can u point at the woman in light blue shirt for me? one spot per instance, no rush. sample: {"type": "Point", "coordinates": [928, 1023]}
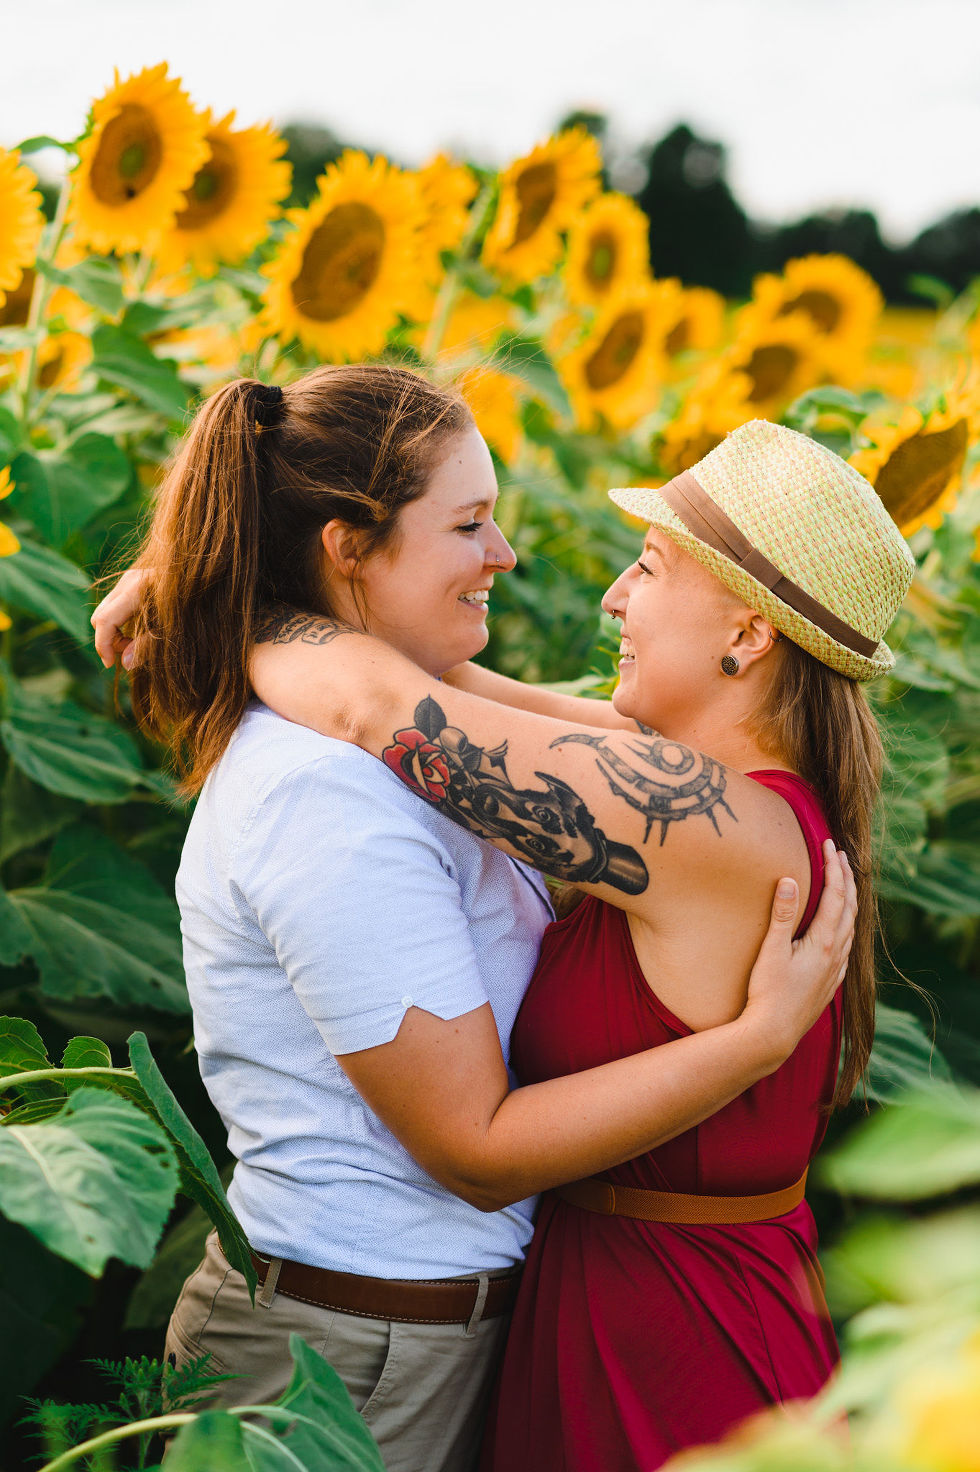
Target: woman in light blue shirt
{"type": "Point", "coordinates": [328, 913]}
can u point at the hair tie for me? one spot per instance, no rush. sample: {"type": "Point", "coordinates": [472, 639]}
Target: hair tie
{"type": "Point", "coordinates": [268, 405]}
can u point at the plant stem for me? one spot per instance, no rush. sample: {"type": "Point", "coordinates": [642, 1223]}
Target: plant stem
{"type": "Point", "coordinates": [38, 1075]}
{"type": "Point", "coordinates": [118, 1433]}
{"type": "Point", "coordinates": [39, 297]}
{"type": "Point", "coordinates": [450, 282]}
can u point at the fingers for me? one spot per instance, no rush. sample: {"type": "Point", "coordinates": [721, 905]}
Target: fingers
{"type": "Point", "coordinates": [785, 904]}
{"type": "Point", "coordinates": [115, 610]}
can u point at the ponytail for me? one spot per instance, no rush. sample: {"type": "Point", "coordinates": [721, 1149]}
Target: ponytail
{"type": "Point", "coordinates": [237, 527]}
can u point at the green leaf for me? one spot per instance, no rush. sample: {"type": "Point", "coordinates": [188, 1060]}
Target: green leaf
{"type": "Point", "coordinates": [95, 280]}
{"type": "Point", "coordinates": [43, 140]}
{"type": "Point", "coordinates": [40, 582]}
{"type": "Point", "coordinates": [29, 814]}
{"type": "Point", "coordinates": [16, 339]}
{"type": "Point", "coordinates": [40, 1303]}
{"type": "Point", "coordinates": [84, 948]}
{"type": "Point", "coordinates": [212, 1442]}
{"type": "Point", "coordinates": [526, 358]}
{"type": "Point", "coordinates": [925, 1146]}
{"type": "Point", "coordinates": [904, 1058]}
{"type": "Point", "coordinates": [69, 750]}
{"type": "Point", "coordinates": [16, 939]}
{"type": "Point", "coordinates": [95, 1181]}
{"type": "Point", "coordinates": [198, 1173]}
{"type": "Point", "coordinates": [22, 1051]}
{"type": "Point", "coordinates": [61, 494]}
{"type": "Point", "coordinates": [127, 362]}
{"type": "Point", "coordinates": [10, 436]}
{"type": "Point", "coordinates": [86, 1053]}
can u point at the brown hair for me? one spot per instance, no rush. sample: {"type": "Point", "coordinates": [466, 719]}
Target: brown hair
{"type": "Point", "coordinates": [821, 723]}
{"type": "Point", "coordinates": [237, 528]}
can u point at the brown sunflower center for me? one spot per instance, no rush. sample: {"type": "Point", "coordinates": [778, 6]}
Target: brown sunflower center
{"type": "Point", "coordinates": [679, 337]}
{"type": "Point", "coordinates": [340, 263]}
{"type": "Point", "coordinates": [689, 451]}
{"type": "Point", "coordinates": [16, 308]}
{"type": "Point", "coordinates": [128, 156]}
{"type": "Point", "coordinates": [918, 471]}
{"type": "Point", "coordinates": [615, 353]}
{"type": "Point", "coordinates": [601, 263]}
{"type": "Point", "coordinates": [770, 368]}
{"type": "Point", "coordinates": [536, 188]}
{"type": "Point", "coordinates": [214, 187]}
{"type": "Point", "coordinates": [824, 310]}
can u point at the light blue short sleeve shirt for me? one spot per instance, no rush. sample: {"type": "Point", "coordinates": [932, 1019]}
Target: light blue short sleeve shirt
{"type": "Point", "coordinates": [320, 899]}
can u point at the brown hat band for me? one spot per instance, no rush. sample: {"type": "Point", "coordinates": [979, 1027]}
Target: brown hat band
{"type": "Point", "coordinates": [705, 519]}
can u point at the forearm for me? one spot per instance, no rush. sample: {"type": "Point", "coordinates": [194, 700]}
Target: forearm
{"type": "Point", "coordinates": [549, 1133]}
{"type": "Point", "coordinates": [489, 685]}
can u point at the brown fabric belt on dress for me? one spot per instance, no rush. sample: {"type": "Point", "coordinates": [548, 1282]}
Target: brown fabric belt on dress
{"type": "Point", "coordinates": [595, 1194]}
{"type": "Point", "coordinates": [406, 1301]}
{"type": "Point", "coordinates": [702, 516]}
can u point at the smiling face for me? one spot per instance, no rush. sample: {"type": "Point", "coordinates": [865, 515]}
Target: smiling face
{"type": "Point", "coordinates": [677, 623]}
{"type": "Point", "coordinates": [428, 593]}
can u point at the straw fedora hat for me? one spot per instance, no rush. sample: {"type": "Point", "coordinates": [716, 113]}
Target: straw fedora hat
{"type": "Point", "coordinates": [798, 534]}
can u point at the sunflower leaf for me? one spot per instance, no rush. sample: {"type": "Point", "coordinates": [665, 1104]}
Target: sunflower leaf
{"type": "Point", "coordinates": [95, 281]}
{"type": "Point", "coordinates": [127, 362]}
{"type": "Point", "coordinates": [42, 140]}
{"type": "Point", "coordinates": [526, 359]}
{"type": "Point", "coordinates": [48, 585]}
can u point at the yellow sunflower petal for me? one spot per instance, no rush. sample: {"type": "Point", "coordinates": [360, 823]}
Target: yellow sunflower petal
{"type": "Point", "coordinates": [447, 190]}
{"type": "Point", "coordinates": [608, 249]}
{"type": "Point", "coordinates": [8, 542]}
{"type": "Point", "coordinates": [916, 465]}
{"type": "Point", "coordinates": [495, 401]}
{"type": "Point", "coordinates": [351, 265]}
{"type": "Point", "coordinates": [840, 301]}
{"type": "Point", "coordinates": [541, 196]}
{"type": "Point", "coordinates": [4, 621]}
{"type": "Point", "coordinates": [700, 323]}
{"type": "Point", "coordinates": [617, 371]}
{"type": "Point", "coordinates": [144, 149]}
{"type": "Point", "coordinates": [235, 195]}
{"type": "Point", "coordinates": [21, 220]}
{"type": "Point", "coordinates": [717, 405]}
{"type": "Point", "coordinates": [6, 484]}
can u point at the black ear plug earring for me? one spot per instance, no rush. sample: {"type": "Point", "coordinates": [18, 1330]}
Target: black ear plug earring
{"type": "Point", "coordinates": [729, 665]}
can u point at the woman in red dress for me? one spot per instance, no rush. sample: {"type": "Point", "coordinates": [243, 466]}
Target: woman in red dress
{"type": "Point", "coordinates": [678, 1293]}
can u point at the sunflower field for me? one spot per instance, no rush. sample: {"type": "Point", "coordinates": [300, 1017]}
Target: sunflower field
{"type": "Point", "coordinates": [171, 266]}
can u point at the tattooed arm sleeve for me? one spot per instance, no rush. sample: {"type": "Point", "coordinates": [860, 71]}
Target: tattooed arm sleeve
{"type": "Point", "coordinates": [607, 809]}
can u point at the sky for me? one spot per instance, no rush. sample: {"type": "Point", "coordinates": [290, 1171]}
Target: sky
{"type": "Point", "coordinates": [820, 103]}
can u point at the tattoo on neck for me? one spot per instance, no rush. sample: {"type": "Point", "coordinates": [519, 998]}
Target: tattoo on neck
{"type": "Point", "coordinates": [281, 625]}
{"type": "Point", "coordinates": [700, 790]}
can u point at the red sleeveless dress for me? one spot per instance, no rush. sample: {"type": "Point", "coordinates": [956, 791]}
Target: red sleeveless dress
{"type": "Point", "coordinates": [631, 1339]}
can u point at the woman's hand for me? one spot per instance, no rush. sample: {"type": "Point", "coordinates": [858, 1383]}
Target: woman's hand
{"type": "Point", "coordinates": [793, 981]}
{"type": "Point", "coordinates": [112, 615]}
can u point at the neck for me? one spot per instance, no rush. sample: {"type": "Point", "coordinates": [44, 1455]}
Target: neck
{"type": "Point", "coordinates": [725, 731]}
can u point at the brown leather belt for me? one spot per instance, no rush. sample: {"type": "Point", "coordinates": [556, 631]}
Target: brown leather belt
{"type": "Point", "coordinates": [406, 1301]}
{"type": "Point", "coordinates": [596, 1194]}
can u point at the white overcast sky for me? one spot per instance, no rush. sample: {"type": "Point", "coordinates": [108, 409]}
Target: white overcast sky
{"type": "Point", "coordinates": [820, 102]}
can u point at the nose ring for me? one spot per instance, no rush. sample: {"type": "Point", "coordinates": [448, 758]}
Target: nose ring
{"type": "Point", "coordinates": [497, 558]}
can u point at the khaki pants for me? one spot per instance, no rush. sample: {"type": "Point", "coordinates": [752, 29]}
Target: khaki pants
{"type": "Point", "coordinates": [422, 1389]}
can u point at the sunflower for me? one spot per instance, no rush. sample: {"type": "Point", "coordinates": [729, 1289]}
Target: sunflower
{"type": "Point", "coordinates": [616, 371]}
{"type": "Point", "coordinates": [776, 361]}
{"type": "Point", "coordinates": [711, 411]}
{"type": "Point", "coordinates": [840, 301]}
{"type": "Point", "coordinates": [141, 155]}
{"type": "Point", "coordinates": [916, 465]}
{"type": "Point", "coordinates": [495, 400]}
{"type": "Point", "coordinates": [608, 248]}
{"type": "Point", "coordinates": [352, 264]}
{"type": "Point", "coordinates": [21, 220]}
{"type": "Point", "coordinates": [8, 542]}
{"type": "Point", "coordinates": [700, 323]}
{"type": "Point", "coordinates": [447, 190]}
{"type": "Point", "coordinates": [67, 348]}
{"type": "Point", "coordinates": [541, 196]}
{"type": "Point", "coordinates": [235, 194]}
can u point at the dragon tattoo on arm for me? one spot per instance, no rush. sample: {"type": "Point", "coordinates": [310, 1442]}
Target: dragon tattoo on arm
{"type": "Point", "coordinates": [552, 827]}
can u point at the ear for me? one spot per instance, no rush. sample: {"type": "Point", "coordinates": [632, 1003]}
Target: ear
{"type": "Point", "coordinates": [752, 639]}
{"type": "Point", "coordinates": [340, 543]}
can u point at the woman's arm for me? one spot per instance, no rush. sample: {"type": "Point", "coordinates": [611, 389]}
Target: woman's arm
{"type": "Point", "coordinates": [433, 1088]}
{"type": "Point", "coordinates": [488, 685]}
{"type": "Point", "coordinates": [627, 816]}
